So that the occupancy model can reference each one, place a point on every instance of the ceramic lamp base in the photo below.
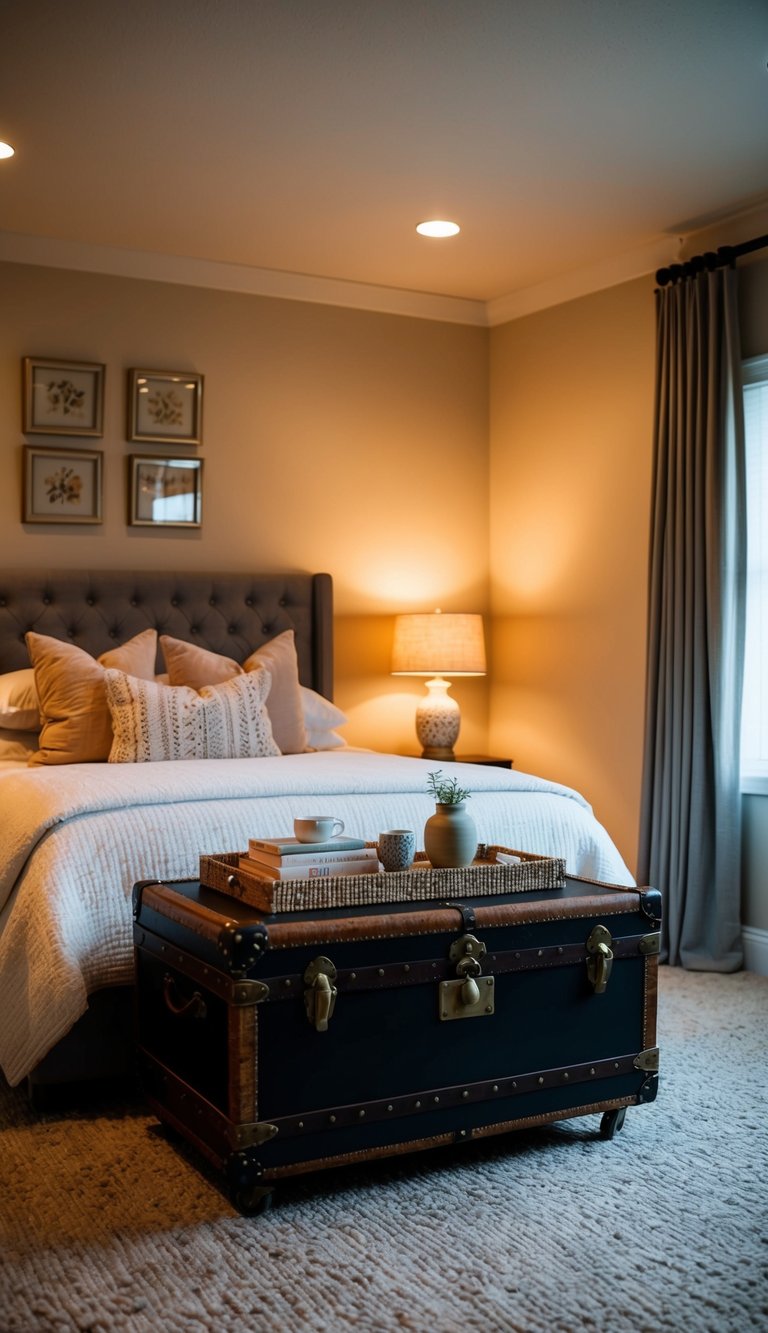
(438, 720)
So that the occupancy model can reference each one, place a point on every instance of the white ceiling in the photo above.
(310, 136)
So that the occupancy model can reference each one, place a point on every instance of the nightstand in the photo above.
(489, 760)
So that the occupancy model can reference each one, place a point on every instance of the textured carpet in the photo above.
(107, 1226)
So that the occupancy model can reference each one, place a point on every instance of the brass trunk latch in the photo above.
(320, 995)
(471, 995)
(600, 961)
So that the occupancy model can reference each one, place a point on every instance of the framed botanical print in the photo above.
(165, 407)
(62, 397)
(165, 491)
(62, 485)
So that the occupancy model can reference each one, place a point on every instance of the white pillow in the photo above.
(321, 717)
(319, 713)
(152, 722)
(324, 740)
(19, 706)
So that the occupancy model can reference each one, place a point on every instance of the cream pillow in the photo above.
(320, 719)
(319, 713)
(75, 722)
(189, 665)
(154, 722)
(325, 740)
(19, 708)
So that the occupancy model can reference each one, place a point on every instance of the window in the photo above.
(754, 716)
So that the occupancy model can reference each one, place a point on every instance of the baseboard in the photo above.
(755, 950)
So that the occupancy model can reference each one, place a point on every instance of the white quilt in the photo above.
(74, 839)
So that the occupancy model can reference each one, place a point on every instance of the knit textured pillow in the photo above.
(154, 722)
(188, 664)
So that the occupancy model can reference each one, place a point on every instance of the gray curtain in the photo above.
(690, 831)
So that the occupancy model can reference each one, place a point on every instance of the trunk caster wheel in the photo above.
(246, 1193)
(250, 1200)
(612, 1122)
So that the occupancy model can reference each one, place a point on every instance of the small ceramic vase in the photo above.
(450, 836)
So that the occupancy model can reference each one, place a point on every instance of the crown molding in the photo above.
(609, 272)
(49, 252)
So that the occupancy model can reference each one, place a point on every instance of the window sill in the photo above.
(755, 784)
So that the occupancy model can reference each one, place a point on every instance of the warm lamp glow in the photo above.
(437, 645)
(6, 150)
(429, 645)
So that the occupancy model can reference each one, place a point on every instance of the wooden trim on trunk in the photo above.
(445, 920)
(650, 1000)
(242, 1041)
(185, 912)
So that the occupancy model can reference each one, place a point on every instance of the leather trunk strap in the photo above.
(389, 975)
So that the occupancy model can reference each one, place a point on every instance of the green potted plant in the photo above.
(450, 836)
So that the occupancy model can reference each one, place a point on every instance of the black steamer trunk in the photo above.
(279, 1044)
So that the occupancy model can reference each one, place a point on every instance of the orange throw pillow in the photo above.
(76, 726)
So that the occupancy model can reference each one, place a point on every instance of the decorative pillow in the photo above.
(19, 708)
(320, 719)
(319, 713)
(324, 740)
(195, 667)
(76, 727)
(17, 745)
(154, 722)
(189, 665)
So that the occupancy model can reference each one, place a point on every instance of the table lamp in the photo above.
(438, 645)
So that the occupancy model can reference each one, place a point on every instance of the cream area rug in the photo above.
(107, 1226)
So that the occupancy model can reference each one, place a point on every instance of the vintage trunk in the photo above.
(289, 1043)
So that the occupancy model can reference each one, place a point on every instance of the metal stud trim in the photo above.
(342, 1117)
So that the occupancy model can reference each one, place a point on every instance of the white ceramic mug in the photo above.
(396, 848)
(317, 828)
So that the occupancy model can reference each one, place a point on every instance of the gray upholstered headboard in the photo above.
(228, 613)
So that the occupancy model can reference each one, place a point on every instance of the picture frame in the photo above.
(165, 492)
(62, 397)
(62, 485)
(165, 407)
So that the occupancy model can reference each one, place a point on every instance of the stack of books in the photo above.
(289, 859)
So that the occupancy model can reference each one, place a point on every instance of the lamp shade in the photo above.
(434, 644)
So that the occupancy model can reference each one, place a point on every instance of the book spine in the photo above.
(313, 858)
(365, 867)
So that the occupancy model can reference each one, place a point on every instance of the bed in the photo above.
(75, 836)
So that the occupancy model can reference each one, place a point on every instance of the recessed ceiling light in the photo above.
(6, 150)
(438, 227)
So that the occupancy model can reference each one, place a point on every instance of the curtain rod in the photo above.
(725, 254)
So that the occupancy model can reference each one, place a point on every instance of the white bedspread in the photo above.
(74, 839)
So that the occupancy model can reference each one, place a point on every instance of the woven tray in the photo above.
(485, 876)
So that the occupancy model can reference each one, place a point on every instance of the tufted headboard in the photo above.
(228, 613)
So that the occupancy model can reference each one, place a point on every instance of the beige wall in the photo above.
(358, 443)
(570, 456)
(333, 439)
